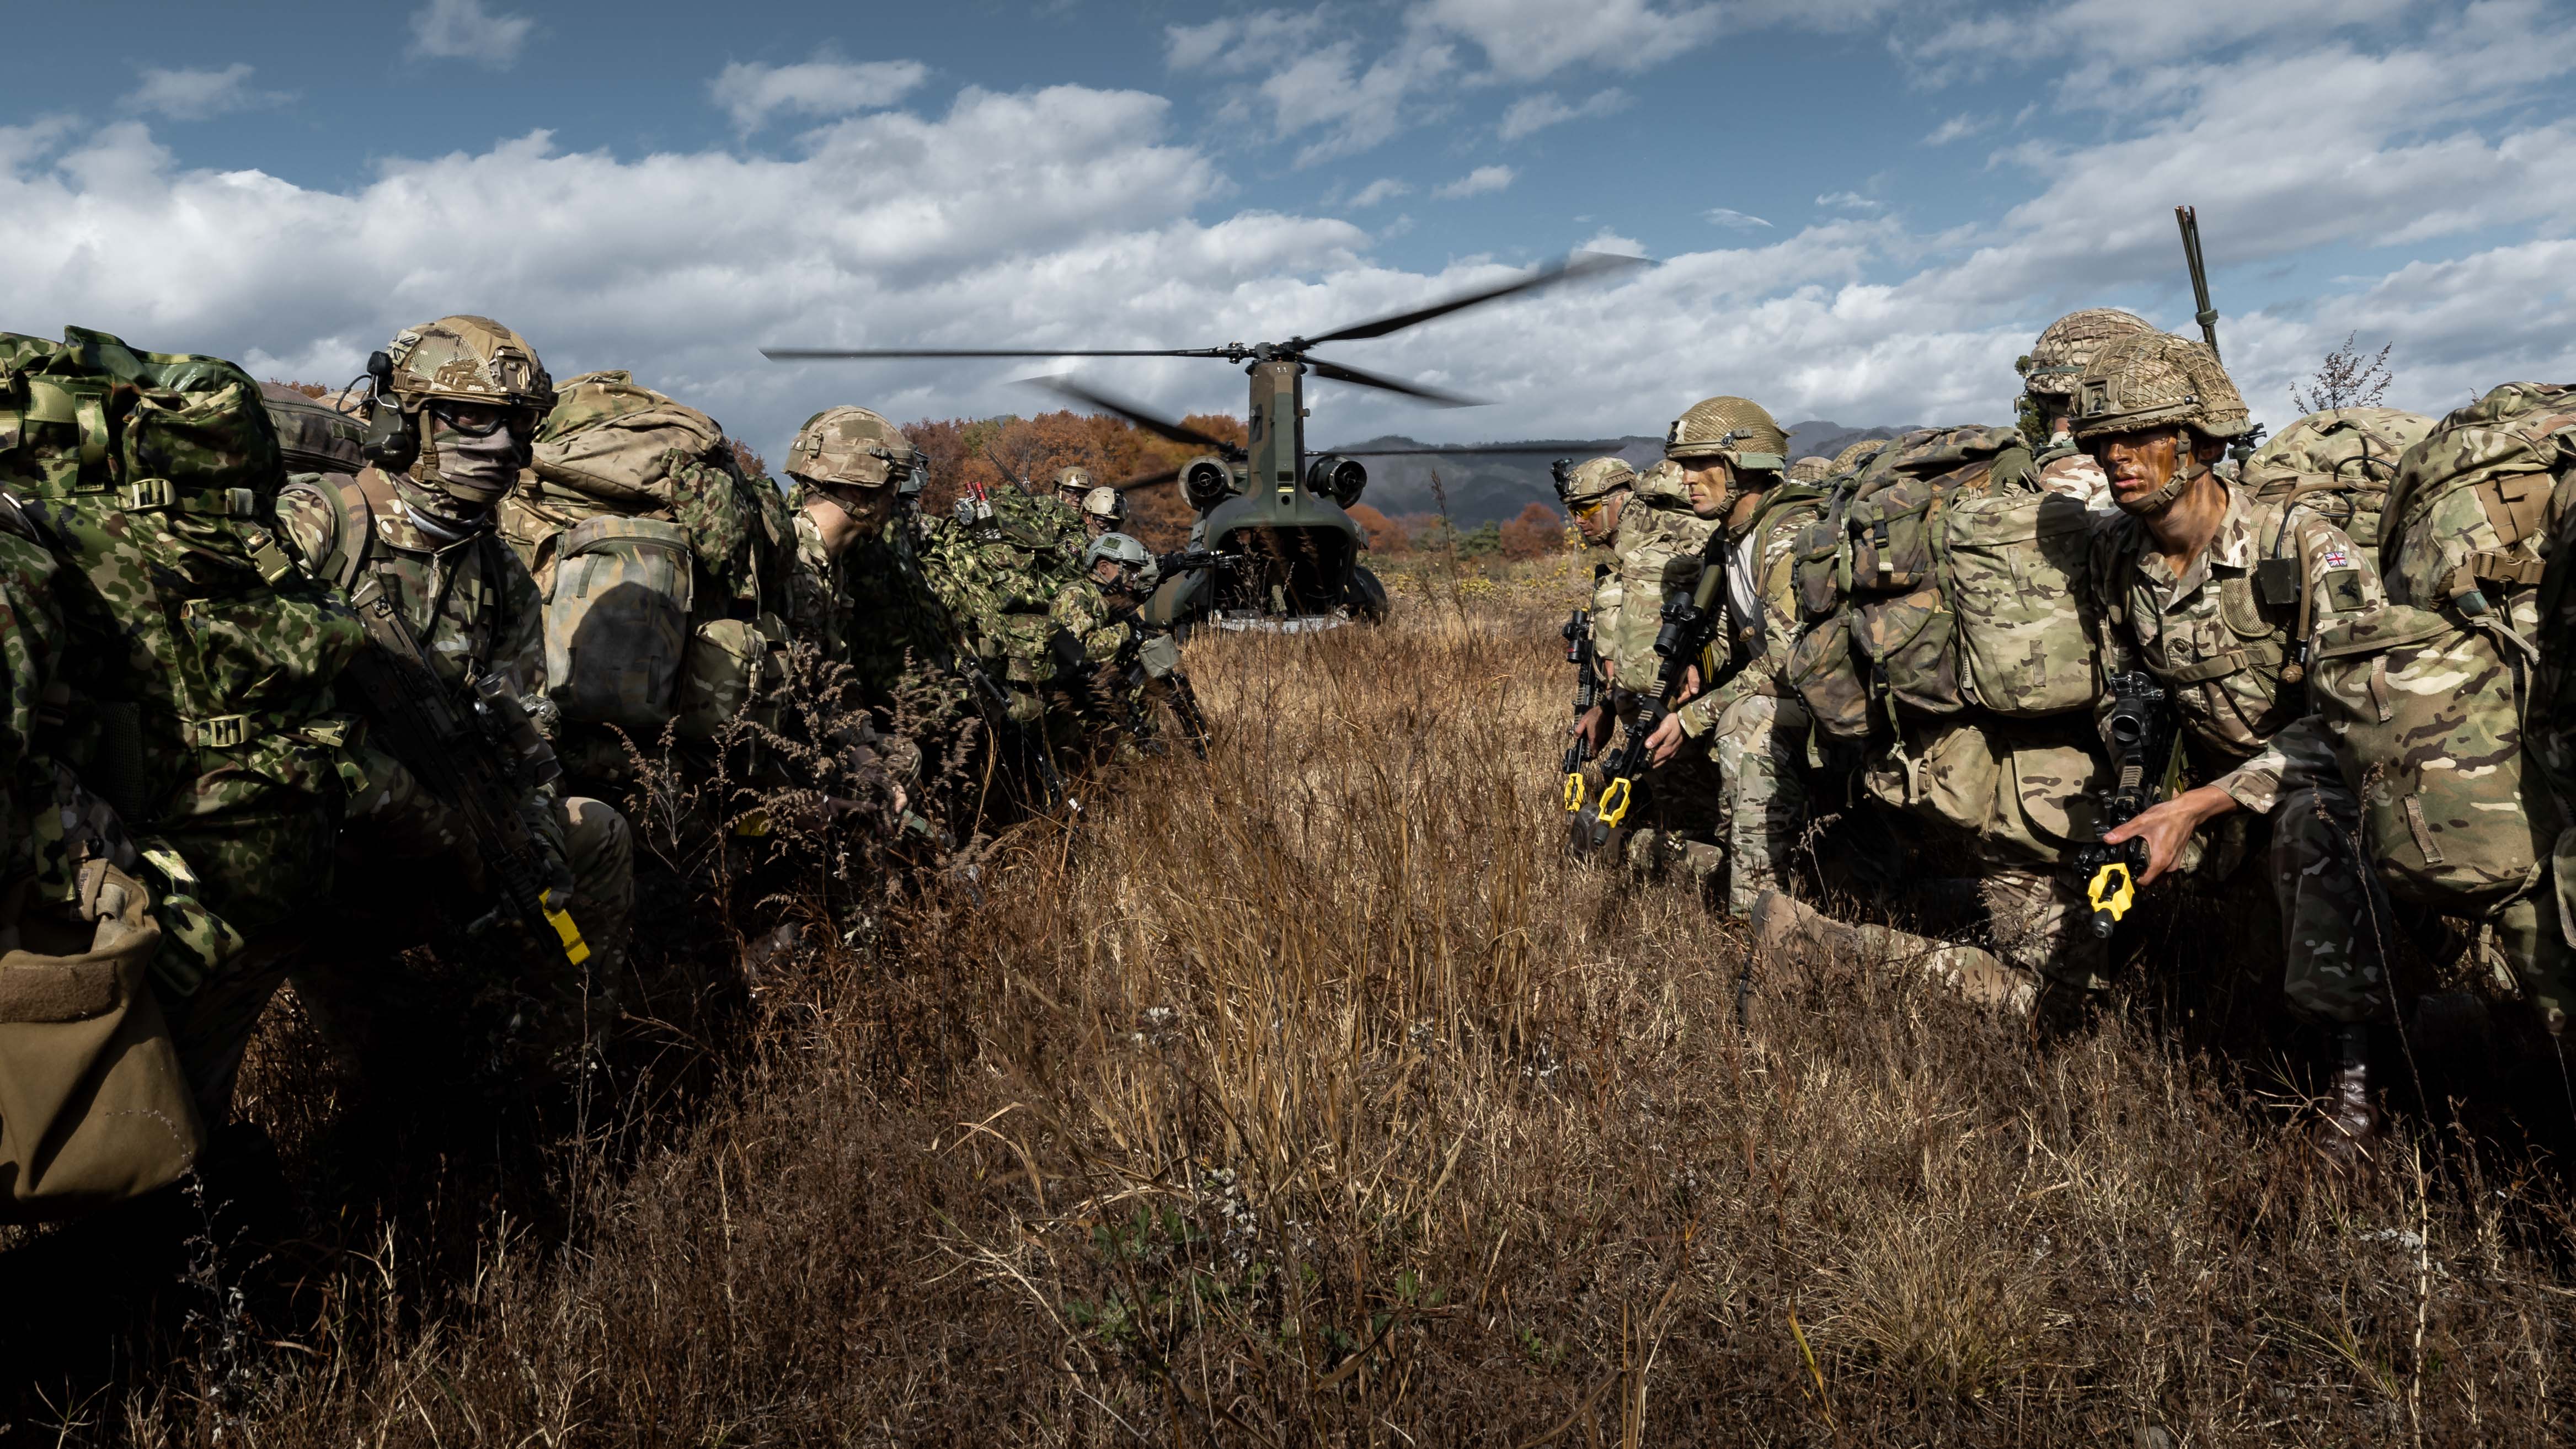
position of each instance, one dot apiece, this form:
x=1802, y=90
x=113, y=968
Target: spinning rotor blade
x=1149, y=480
x=1434, y=452
x=802, y=354
x=1159, y=426
x=1343, y=372
x=1573, y=268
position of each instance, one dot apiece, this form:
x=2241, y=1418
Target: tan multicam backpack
x=2426, y=698
x=640, y=528
x=2339, y=463
x=1943, y=576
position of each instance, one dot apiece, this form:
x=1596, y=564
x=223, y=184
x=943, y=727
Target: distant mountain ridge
x=1492, y=487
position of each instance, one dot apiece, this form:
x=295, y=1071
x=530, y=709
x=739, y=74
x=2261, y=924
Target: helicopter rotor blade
x=818, y=354
x=1344, y=372
x=1159, y=426
x=1435, y=452
x=1573, y=268
x=1149, y=480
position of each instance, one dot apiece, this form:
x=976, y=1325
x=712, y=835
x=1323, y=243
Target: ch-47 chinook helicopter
x=1272, y=512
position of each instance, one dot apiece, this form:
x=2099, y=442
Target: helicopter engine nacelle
x=1206, y=482
x=1339, y=479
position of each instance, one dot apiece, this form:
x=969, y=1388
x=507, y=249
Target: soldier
x=1759, y=725
x=1856, y=457
x=1104, y=511
x=1814, y=468
x=845, y=463
x=1656, y=543
x=453, y=425
x=1593, y=494
x=1126, y=573
x=2049, y=373
x=2182, y=591
x=1072, y=486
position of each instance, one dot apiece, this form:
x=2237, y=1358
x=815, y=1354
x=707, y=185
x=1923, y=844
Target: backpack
x=646, y=541
x=2426, y=698
x=1939, y=577
x=2346, y=455
x=314, y=436
x=191, y=632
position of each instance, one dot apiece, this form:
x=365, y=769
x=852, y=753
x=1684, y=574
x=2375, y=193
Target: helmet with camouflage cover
x=1733, y=428
x=1856, y=456
x=2154, y=380
x=465, y=362
x=1596, y=478
x=1074, y=480
x=1814, y=468
x=2056, y=362
x=850, y=447
x=1106, y=504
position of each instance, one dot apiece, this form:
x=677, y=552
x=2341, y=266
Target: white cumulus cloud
x=752, y=93
x=464, y=30
x=1734, y=220
x=1538, y=112
x=1476, y=183
x=185, y=94
x=1385, y=188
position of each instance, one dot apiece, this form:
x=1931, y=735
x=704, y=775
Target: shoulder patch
x=2343, y=587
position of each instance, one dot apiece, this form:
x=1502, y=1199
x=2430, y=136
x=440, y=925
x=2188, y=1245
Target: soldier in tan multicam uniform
x=2049, y=374
x=1594, y=493
x=2182, y=592
x=1750, y=722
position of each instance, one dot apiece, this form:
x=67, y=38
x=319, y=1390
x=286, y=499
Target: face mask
x=472, y=467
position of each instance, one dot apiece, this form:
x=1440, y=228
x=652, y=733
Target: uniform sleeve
x=2343, y=580
x=308, y=526
x=519, y=650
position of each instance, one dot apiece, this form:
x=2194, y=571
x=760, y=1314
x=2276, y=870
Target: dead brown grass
x=1310, y=1096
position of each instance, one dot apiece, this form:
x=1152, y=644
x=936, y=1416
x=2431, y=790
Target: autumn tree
x=1536, y=533
x=1385, y=535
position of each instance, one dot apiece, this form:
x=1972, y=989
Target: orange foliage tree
x=1014, y=451
x=1385, y=535
x=1536, y=533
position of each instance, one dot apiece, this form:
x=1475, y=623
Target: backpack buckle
x=145, y=494
x=221, y=732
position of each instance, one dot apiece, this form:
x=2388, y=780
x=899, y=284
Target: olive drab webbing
x=2425, y=699
x=1940, y=577
x=646, y=542
x=195, y=643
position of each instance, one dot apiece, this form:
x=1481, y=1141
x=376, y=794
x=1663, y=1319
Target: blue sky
x=1860, y=209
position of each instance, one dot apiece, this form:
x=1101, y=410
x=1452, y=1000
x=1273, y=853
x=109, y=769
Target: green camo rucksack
x=195, y=644
x=2339, y=463
x=642, y=533
x=2426, y=698
x=1943, y=576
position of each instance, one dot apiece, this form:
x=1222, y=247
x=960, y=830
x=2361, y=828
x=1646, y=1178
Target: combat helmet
x=851, y=447
x=2057, y=360
x=2155, y=379
x=1106, y=503
x=1814, y=468
x=1857, y=456
x=461, y=359
x=1732, y=428
x=1136, y=563
x=1075, y=480
x=1581, y=483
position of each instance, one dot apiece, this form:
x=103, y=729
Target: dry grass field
x=1310, y=1095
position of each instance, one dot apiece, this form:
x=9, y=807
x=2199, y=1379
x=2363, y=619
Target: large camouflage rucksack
x=196, y=646
x=314, y=435
x=642, y=533
x=2339, y=463
x=2426, y=697
x=1943, y=576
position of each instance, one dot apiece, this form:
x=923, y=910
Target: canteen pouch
x=93, y=1107
x=725, y=671
x=2433, y=709
x=617, y=621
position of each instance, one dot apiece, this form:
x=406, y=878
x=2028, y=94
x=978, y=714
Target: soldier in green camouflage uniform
x=2177, y=593
x=1750, y=721
x=469, y=393
x=149, y=476
x=1657, y=536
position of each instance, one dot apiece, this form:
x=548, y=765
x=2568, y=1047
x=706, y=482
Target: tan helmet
x=1857, y=456
x=1814, y=468
x=1598, y=478
x=1105, y=502
x=1073, y=480
x=1732, y=428
x=2155, y=379
x=2068, y=344
x=468, y=359
x=850, y=447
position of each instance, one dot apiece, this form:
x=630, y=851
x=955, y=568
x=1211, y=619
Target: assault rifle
x=481, y=756
x=2143, y=740
x=1580, y=653
x=1688, y=619
x=1196, y=558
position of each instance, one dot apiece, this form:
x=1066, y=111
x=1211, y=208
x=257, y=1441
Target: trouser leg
x=2334, y=915
x=1758, y=745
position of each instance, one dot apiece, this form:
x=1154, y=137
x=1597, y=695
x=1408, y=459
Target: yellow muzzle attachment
x=1573, y=792
x=2112, y=891
x=1614, y=802
x=575, y=949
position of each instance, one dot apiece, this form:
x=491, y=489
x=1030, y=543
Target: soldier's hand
x=1592, y=728
x=2168, y=825
x=1666, y=741
x=1690, y=686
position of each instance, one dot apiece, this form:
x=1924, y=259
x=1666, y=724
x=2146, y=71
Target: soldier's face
x=1108, y=574
x=1709, y=483
x=1093, y=525
x=1597, y=518
x=2142, y=462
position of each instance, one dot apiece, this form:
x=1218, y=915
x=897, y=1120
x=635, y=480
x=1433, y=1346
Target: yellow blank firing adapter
x=1614, y=801
x=576, y=950
x=1573, y=792
x=2112, y=890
